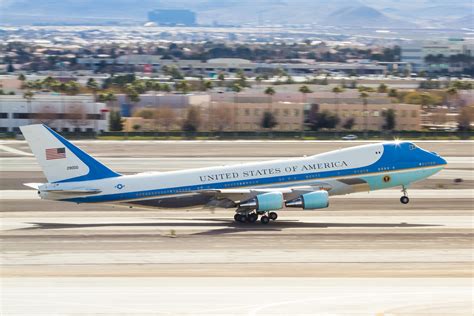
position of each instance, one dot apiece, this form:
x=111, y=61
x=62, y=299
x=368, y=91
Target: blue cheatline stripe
x=363, y=172
x=395, y=158
x=97, y=170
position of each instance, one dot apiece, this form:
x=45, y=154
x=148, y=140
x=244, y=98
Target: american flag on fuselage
x=55, y=153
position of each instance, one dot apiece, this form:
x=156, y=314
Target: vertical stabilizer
x=60, y=160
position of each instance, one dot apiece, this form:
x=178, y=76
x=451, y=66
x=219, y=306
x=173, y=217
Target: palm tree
x=270, y=92
x=452, y=94
x=132, y=95
x=166, y=88
x=93, y=86
x=337, y=90
x=221, y=78
x=305, y=90
x=182, y=86
x=29, y=95
x=207, y=85
x=364, y=96
x=236, y=89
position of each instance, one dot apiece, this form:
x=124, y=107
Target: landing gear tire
x=252, y=218
x=242, y=218
x=265, y=220
x=404, y=200
x=237, y=217
x=273, y=216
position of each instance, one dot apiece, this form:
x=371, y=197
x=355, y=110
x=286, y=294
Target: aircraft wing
x=229, y=198
x=219, y=198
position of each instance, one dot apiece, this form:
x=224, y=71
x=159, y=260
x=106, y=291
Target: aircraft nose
x=442, y=161
x=439, y=160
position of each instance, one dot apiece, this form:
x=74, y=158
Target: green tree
x=236, y=88
x=193, y=120
x=182, y=86
x=268, y=120
x=72, y=88
x=28, y=96
x=365, y=89
x=349, y=124
x=221, y=78
x=464, y=120
x=451, y=93
x=93, y=86
x=389, y=116
x=382, y=88
x=304, y=90
x=173, y=72
x=21, y=77
x=206, y=85
x=270, y=92
x=337, y=91
x=324, y=119
x=115, y=121
x=10, y=67
x=425, y=99
x=364, y=96
x=166, y=88
x=393, y=93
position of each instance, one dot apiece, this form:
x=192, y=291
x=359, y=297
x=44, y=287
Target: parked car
x=350, y=137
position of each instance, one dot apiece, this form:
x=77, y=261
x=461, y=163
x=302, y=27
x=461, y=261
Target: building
x=415, y=52
x=160, y=100
x=62, y=113
x=231, y=65
x=370, y=117
x=172, y=17
x=229, y=116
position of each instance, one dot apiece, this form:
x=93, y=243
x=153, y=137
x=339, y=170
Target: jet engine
x=311, y=201
x=265, y=202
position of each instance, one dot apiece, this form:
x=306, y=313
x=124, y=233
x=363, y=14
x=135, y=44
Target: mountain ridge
x=363, y=12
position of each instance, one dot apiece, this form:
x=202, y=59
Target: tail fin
x=60, y=160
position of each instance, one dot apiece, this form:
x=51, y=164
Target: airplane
x=257, y=191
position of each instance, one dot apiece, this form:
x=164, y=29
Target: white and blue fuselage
x=254, y=188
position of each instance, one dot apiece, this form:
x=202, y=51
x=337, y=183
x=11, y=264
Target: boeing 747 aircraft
x=254, y=190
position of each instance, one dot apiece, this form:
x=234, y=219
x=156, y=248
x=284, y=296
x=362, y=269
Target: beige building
x=407, y=116
x=248, y=116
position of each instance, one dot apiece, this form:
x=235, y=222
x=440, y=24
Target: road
x=365, y=255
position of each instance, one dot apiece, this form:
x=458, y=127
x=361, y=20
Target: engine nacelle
x=311, y=201
x=265, y=202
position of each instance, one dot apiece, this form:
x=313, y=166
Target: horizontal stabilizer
x=33, y=185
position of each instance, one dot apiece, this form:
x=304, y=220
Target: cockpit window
x=412, y=147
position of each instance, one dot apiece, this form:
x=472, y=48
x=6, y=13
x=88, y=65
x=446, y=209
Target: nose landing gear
x=404, y=199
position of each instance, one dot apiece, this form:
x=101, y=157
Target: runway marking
x=325, y=299
x=19, y=195
x=15, y=151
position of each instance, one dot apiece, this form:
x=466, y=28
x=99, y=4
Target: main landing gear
x=404, y=199
x=252, y=217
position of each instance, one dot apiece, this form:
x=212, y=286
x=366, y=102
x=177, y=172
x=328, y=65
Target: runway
x=365, y=255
